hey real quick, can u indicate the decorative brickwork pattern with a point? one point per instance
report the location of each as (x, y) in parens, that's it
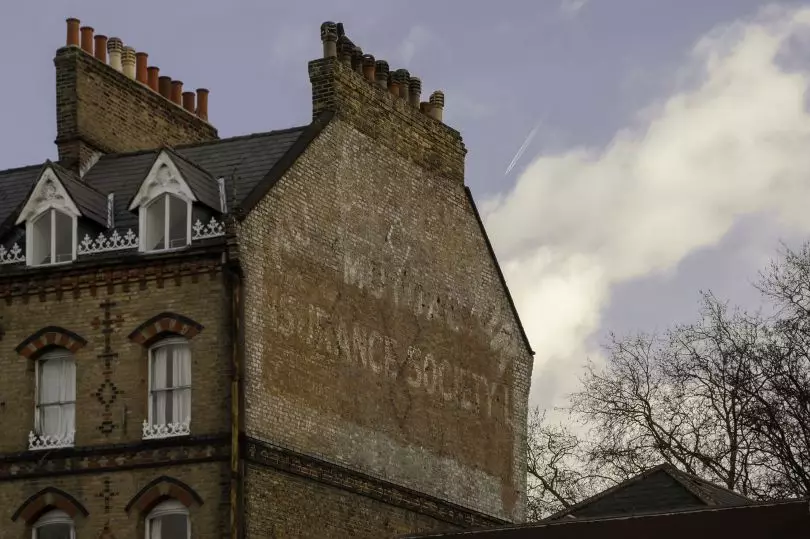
(162, 324)
(45, 500)
(47, 337)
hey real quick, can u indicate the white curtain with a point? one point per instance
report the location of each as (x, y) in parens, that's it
(159, 383)
(155, 528)
(57, 394)
(181, 377)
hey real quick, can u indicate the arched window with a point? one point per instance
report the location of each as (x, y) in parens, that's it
(168, 520)
(54, 421)
(169, 388)
(167, 223)
(52, 236)
(54, 524)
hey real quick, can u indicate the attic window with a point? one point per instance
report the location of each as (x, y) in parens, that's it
(52, 238)
(167, 221)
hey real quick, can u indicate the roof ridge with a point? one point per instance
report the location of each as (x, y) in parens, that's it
(680, 476)
(185, 159)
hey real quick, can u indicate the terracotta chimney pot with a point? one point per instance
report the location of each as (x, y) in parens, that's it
(329, 37)
(152, 77)
(357, 59)
(141, 59)
(381, 73)
(165, 86)
(128, 62)
(116, 49)
(101, 48)
(87, 39)
(177, 92)
(368, 67)
(202, 103)
(401, 76)
(72, 32)
(188, 101)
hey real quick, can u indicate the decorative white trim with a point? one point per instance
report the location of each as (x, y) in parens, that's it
(13, 255)
(164, 177)
(49, 193)
(168, 430)
(213, 229)
(102, 243)
(37, 442)
(223, 198)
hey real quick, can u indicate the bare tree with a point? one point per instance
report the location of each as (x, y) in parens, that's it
(726, 398)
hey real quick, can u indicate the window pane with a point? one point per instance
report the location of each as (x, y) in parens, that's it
(178, 222)
(56, 531)
(56, 393)
(63, 237)
(156, 224)
(41, 242)
(171, 527)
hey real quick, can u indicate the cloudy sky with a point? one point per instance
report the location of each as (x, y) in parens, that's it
(664, 145)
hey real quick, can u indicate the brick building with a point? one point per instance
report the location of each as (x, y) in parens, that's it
(297, 333)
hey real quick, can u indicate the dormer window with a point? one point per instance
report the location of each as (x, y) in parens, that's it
(52, 238)
(167, 223)
(164, 201)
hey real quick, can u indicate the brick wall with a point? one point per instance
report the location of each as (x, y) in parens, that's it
(283, 505)
(378, 333)
(112, 389)
(105, 496)
(101, 109)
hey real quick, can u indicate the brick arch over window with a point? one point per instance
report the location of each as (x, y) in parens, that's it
(163, 488)
(165, 324)
(48, 337)
(46, 500)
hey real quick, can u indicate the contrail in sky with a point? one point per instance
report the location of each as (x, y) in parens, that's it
(522, 149)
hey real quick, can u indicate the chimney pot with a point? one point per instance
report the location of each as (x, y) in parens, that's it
(401, 77)
(72, 32)
(357, 59)
(329, 37)
(345, 49)
(128, 62)
(381, 73)
(116, 48)
(87, 39)
(152, 77)
(165, 86)
(393, 84)
(437, 104)
(368, 67)
(177, 92)
(101, 48)
(188, 101)
(340, 30)
(202, 103)
(141, 59)
(414, 91)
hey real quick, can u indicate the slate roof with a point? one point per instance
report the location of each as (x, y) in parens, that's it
(661, 488)
(243, 161)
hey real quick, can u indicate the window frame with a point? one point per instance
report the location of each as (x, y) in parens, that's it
(54, 516)
(29, 237)
(168, 341)
(167, 507)
(143, 218)
(61, 354)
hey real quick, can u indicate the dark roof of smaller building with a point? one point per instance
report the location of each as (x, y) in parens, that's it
(661, 488)
(788, 519)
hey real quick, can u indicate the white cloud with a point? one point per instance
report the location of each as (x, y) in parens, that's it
(577, 223)
(418, 39)
(571, 8)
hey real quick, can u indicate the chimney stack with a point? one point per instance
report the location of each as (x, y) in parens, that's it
(141, 59)
(128, 62)
(152, 78)
(437, 104)
(115, 47)
(72, 32)
(202, 103)
(101, 48)
(87, 39)
(329, 37)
